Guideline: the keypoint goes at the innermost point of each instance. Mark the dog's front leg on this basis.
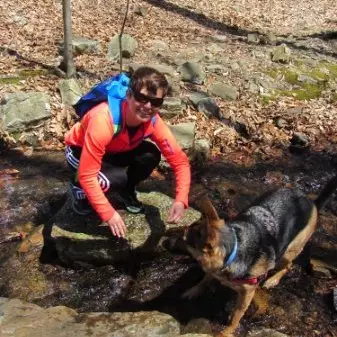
(245, 296)
(197, 289)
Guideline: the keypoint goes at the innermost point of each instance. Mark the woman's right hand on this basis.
(117, 225)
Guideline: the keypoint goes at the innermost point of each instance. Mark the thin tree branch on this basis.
(120, 36)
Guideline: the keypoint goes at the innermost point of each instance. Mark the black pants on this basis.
(119, 170)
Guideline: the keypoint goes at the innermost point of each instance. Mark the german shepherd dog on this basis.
(270, 234)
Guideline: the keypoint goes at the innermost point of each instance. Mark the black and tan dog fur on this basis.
(269, 235)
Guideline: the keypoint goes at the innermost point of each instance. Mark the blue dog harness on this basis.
(234, 251)
(252, 280)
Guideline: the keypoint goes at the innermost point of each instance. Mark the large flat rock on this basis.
(20, 318)
(85, 240)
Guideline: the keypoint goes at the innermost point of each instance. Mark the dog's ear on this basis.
(213, 221)
(207, 209)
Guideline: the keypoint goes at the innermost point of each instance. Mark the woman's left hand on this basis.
(176, 212)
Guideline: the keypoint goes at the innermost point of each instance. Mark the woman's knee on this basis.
(113, 177)
(151, 154)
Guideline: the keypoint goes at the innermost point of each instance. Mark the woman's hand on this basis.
(117, 225)
(176, 212)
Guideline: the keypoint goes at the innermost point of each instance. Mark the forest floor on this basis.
(31, 32)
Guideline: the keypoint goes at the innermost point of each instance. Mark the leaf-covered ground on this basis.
(31, 31)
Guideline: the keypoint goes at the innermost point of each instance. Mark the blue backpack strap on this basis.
(115, 108)
(154, 120)
(117, 90)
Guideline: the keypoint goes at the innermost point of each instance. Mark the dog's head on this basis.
(204, 238)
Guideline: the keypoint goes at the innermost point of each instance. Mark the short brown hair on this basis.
(149, 78)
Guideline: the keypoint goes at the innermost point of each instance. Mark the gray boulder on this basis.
(224, 91)
(129, 46)
(70, 91)
(192, 72)
(202, 102)
(171, 107)
(281, 54)
(20, 318)
(184, 133)
(83, 45)
(87, 241)
(23, 111)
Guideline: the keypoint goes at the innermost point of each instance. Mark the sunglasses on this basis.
(141, 98)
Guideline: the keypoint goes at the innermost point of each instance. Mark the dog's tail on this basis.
(327, 191)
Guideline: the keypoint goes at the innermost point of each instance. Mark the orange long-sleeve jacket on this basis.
(95, 134)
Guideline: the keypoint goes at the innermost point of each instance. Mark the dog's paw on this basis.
(270, 283)
(191, 293)
(227, 332)
(166, 242)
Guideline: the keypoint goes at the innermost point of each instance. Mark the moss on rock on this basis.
(314, 80)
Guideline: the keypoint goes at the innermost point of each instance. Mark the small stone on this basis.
(209, 107)
(224, 91)
(281, 54)
(300, 139)
(253, 38)
(159, 45)
(219, 38)
(192, 72)
(141, 10)
(280, 122)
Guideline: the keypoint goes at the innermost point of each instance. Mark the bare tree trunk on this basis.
(68, 60)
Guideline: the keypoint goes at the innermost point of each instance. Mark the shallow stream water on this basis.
(300, 306)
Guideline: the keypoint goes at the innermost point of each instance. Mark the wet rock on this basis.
(197, 325)
(156, 277)
(27, 276)
(266, 333)
(129, 46)
(21, 275)
(30, 196)
(82, 241)
(24, 319)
